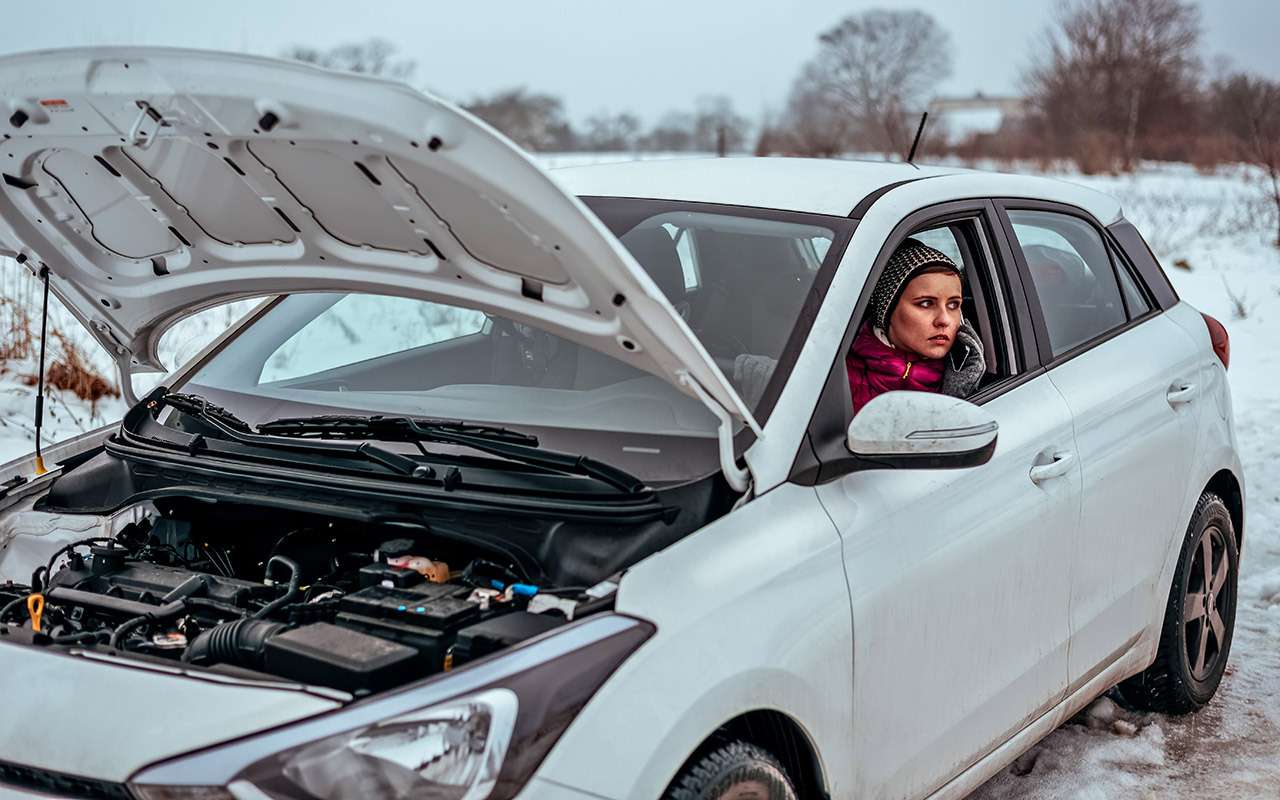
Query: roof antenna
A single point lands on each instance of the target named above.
(911, 157)
(44, 323)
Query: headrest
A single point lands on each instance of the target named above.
(656, 251)
(1060, 275)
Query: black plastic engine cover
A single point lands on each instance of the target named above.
(150, 582)
(328, 655)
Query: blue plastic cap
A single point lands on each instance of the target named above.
(523, 589)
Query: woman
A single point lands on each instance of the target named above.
(915, 336)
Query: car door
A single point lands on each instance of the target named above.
(1130, 377)
(957, 577)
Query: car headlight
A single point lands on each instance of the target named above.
(450, 752)
(475, 734)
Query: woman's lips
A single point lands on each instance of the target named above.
(940, 339)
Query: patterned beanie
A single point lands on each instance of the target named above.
(910, 257)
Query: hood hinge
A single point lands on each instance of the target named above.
(738, 478)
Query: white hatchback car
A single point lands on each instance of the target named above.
(550, 487)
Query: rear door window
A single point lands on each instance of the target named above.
(1072, 277)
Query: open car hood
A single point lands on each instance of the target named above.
(157, 182)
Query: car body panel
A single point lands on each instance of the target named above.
(755, 608)
(154, 187)
(938, 584)
(124, 714)
(1134, 446)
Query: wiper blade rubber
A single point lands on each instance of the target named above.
(501, 442)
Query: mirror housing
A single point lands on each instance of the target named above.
(922, 430)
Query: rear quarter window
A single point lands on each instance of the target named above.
(1149, 269)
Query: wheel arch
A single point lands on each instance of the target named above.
(778, 733)
(1227, 486)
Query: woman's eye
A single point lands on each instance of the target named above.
(953, 305)
(925, 303)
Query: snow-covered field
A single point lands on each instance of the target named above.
(1220, 228)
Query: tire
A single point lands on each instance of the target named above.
(736, 771)
(1196, 638)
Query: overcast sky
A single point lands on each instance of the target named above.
(602, 55)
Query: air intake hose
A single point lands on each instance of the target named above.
(241, 643)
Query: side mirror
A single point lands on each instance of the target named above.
(922, 430)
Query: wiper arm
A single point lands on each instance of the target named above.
(237, 430)
(356, 427)
(501, 442)
(199, 407)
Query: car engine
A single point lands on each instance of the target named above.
(350, 607)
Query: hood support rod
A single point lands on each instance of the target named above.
(738, 478)
(44, 328)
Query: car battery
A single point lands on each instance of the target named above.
(424, 616)
(497, 633)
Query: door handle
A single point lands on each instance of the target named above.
(1180, 393)
(1060, 466)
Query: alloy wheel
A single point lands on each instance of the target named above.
(1209, 595)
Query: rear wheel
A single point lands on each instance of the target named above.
(736, 771)
(1199, 618)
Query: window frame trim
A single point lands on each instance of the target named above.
(1046, 357)
(809, 466)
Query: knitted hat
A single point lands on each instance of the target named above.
(910, 257)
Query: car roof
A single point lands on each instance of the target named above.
(820, 186)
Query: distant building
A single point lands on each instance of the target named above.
(960, 118)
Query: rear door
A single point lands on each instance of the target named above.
(1130, 377)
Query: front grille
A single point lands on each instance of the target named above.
(61, 784)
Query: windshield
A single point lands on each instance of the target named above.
(741, 278)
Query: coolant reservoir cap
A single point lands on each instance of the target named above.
(395, 548)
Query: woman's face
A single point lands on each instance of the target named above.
(927, 316)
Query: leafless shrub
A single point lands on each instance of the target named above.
(71, 372)
(1248, 109)
(1239, 307)
(15, 331)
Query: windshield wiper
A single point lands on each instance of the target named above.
(335, 426)
(237, 430)
(196, 406)
(508, 444)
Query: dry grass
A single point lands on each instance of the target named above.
(15, 331)
(69, 372)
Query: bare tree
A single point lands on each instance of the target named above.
(1113, 74)
(714, 116)
(816, 123)
(534, 121)
(1248, 109)
(673, 133)
(879, 68)
(611, 132)
(371, 57)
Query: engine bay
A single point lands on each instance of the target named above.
(355, 607)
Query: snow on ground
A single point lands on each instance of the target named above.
(1220, 228)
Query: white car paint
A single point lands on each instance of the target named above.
(155, 188)
(125, 714)
(917, 625)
